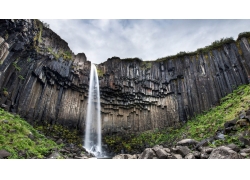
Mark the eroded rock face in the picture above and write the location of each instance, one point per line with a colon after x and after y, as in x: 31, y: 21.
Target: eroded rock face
x: 135, y: 95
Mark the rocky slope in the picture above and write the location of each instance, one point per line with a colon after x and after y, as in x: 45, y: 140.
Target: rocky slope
x: 43, y: 81
x: 185, y: 151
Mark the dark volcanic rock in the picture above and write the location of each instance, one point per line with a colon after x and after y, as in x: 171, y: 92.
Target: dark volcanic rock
x: 234, y: 147
x: 187, y: 142
x: 183, y: 150
x: 230, y: 123
x: 4, y: 154
x: 245, y: 141
x: 45, y: 82
x: 204, y: 142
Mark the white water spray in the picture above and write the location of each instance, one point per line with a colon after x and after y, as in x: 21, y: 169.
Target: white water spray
x: 93, y: 135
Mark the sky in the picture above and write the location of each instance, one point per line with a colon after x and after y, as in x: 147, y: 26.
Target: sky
x: 101, y: 39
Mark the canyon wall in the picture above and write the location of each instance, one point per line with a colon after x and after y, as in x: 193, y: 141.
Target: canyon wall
x: 43, y: 81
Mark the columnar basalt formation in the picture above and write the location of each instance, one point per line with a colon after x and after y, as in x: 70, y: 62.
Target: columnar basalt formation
x: 43, y: 81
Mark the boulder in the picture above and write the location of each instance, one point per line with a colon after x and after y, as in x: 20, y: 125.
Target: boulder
x: 230, y: 123
x: 167, y: 150
x: 81, y: 157
x: 223, y: 152
x: 173, y: 150
x: 190, y: 156
x: 4, y: 154
x: 157, y: 147
x: 204, y: 142
x: 59, y: 141
x: 55, y: 155
x: 3, y: 106
x: 234, y: 147
x: 183, y: 150
x: 161, y: 154
x: 204, y: 156
x: 248, y: 113
x: 31, y: 136
x: 5, y: 121
x: 245, y: 141
x: 229, y: 129
x: 125, y: 156
x: 219, y: 136
x: 244, y: 155
x: 187, y: 142
x: 148, y: 153
x: 12, y: 131
x: 246, y: 150
x: 243, y: 122
x: 206, y: 150
x: 242, y: 115
x: 176, y: 156
x: 197, y: 154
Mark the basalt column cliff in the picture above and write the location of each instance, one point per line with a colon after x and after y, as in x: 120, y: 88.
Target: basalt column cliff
x: 43, y: 81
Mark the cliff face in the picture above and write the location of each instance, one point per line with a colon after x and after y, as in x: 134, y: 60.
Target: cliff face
x: 34, y: 82
x: 135, y: 95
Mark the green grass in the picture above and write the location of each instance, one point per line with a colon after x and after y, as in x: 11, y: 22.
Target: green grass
x: 214, y: 45
x: 15, y: 137
x: 65, y: 55
x: 56, y: 130
x: 21, y: 77
x: 201, y: 127
x: 16, y: 66
x: 54, y: 54
x: 146, y: 64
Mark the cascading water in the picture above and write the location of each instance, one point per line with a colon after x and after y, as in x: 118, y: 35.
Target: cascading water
x: 93, y: 133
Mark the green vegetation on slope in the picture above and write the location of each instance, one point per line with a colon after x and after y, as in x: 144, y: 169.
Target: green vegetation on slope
x: 201, y: 127
x: 214, y: 45
x: 65, y: 55
x: 21, y: 139
x: 56, y: 130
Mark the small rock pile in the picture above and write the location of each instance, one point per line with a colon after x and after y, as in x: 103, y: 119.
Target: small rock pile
x: 189, y: 149
x: 70, y: 151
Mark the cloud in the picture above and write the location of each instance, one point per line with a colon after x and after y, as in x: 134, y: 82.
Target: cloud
x: 146, y: 39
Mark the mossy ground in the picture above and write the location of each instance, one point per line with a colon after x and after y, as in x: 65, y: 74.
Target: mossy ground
x: 17, y: 136
x: 201, y: 127
x: 57, y: 131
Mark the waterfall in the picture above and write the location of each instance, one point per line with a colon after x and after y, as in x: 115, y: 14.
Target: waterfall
x: 93, y: 135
